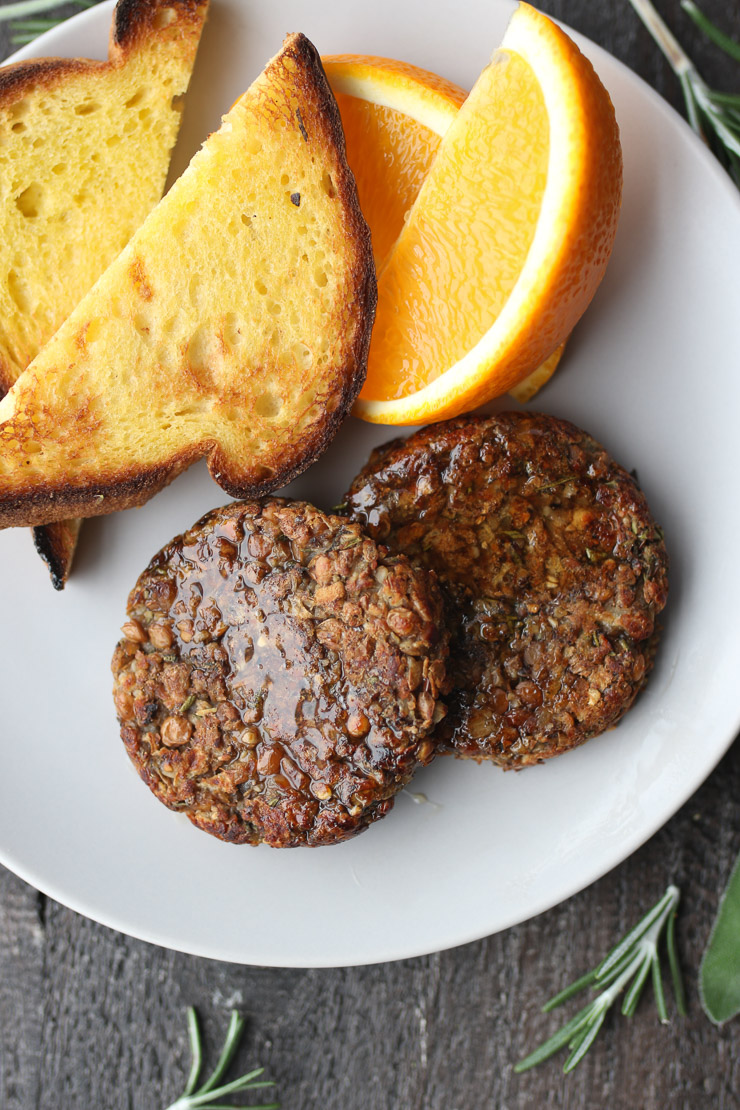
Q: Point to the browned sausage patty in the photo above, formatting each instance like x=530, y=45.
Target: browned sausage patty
x=553, y=568
x=279, y=675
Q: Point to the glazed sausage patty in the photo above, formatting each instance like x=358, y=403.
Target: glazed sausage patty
x=280, y=674
x=553, y=568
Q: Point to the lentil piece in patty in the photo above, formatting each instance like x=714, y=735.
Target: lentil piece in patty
x=553, y=569
x=280, y=674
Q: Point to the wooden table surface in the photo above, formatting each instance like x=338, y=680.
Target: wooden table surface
x=92, y=1020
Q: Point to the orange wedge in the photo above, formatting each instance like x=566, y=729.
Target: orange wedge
x=508, y=237
x=394, y=115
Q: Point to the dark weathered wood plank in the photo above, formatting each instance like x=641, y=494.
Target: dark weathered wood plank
x=92, y=1019
x=22, y=945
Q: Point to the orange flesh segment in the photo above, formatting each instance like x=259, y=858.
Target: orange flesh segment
x=390, y=159
x=457, y=259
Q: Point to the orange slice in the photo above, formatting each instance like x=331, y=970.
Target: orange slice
x=394, y=115
x=508, y=237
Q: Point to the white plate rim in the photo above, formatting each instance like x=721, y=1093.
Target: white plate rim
x=101, y=14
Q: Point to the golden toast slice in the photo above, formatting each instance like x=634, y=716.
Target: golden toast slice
x=235, y=324
x=84, y=152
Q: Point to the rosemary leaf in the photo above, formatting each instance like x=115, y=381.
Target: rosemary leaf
x=229, y=1106
x=558, y=1040
x=196, y=1051
x=719, y=38
x=659, y=993
x=639, y=930
x=568, y=992
x=670, y=943
x=633, y=994
x=233, y=1036
x=731, y=100
x=26, y=7
x=37, y=25
x=579, y=1050
x=617, y=969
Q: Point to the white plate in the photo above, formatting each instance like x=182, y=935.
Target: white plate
x=651, y=372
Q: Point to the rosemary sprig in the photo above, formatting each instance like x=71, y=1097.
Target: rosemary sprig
x=206, y=1096
x=25, y=29
x=714, y=115
x=634, y=958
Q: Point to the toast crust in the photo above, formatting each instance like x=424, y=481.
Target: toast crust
x=134, y=21
x=293, y=99
x=56, y=544
x=136, y=24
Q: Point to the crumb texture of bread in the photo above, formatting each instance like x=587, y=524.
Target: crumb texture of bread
x=84, y=152
x=234, y=325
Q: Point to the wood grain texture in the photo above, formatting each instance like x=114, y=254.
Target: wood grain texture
x=92, y=1020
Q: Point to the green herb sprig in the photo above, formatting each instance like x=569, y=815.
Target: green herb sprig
x=714, y=115
x=207, y=1095
x=633, y=959
x=25, y=28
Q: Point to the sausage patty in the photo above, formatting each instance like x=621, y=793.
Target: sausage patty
x=553, y=568
x=280, y=674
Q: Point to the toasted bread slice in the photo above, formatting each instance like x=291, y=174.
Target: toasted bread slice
x=234, y=325
x=84, y=152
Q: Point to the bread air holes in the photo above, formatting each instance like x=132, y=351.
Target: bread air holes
x=138, y=97
x=163, y=18
x=200, y=351
x=143, y=325
x=87, y=108
x=174, y=325
x=197, y=408
x=30, y=201
x=328, y=185
x=303, y=355
x=19, y=291
x=17, y=112
x=268, y=405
